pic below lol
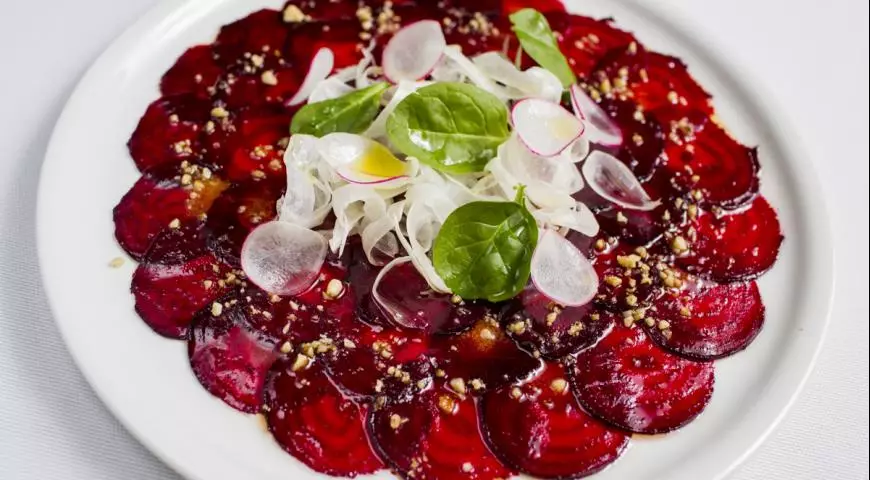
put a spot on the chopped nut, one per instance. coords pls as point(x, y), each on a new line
point(628, 321)
point(620, 218)
point(333, 289)
point(628, 261)
point(286, 348)
point(613, 280)
point(458, 386)
point(679, 245)
point(269, 78)
point(516, 393)
point(551, 318)
point(487, 334)
point(559, 385)
point(292, 14)
point(630, 300)
point(467, 467)
point(216, 309)
point(455, 299)
point(219, 112)
point(600, 244)
point(649, 321)
point(175, 223)
point(396, 421)
point(348, 343)
point(684, 311)
point(664, 325)
point(477, 384)
point(693, 211)
point(517, 328)
point(446, 404)
point(116, 262)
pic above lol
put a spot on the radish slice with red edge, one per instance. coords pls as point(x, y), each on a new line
point(544, 127)
point(397, 313)
point(283, 258)
point(614, 181)
point(601, 129)
point(321, 67)
point(414, 51)
point(561, 271)
point(360, 160)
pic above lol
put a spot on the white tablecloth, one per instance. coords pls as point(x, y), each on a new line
point(811, 55)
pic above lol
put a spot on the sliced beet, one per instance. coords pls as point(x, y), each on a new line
point(342, 36)
point(261, 32)
point(482, 357)
point(628, 278)
point(433, 435)
point(254, 152)
point(706, 320)
point(635, 227)
point(311, 420)
point(722, 170)
point(169, 296)
point(229, 359)
point(538, 428)
point(631, 383)
point(175, 246)
point(511, 6)
point(412, 304)
point(195, 72)
point(235, 213)
point(736, 246)
point(585, 41)
point(162, 198)
point(643, 138)
point(371, 361)
point(169, 132)
point(554, 331)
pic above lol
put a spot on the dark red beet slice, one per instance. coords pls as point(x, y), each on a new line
point(537, 323)
point(175, 246)
point(643, 139)
point(482, 357)
point(737, 246)
point(538, 428)
point(162, 198)
point(370, 361)
point(261, 32)
point(228, 358)
point(169, 132)
point(195, 72)
point(635, 227)
point(342, 36)
point(724, 171)
point(706, 320)
point(169, 296)
point(629, 382)
point(413, 304)
point(585, 41)
point(254, 151)
point(511, 6)
point(629, 279)
point(312, 421)
point(433, 435)
point(235, 213)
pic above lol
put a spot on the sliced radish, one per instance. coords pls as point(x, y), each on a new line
point(602, 129)
point(396, 312)
point(360, 160)
point(535, 82)
point(580, 219)
point(544, 127)
point(329, 89)
point(321, 66)
point(297, 205)
point(414, 51)
point(614, 181)
point(283, 258)
point(548, 86)
point(468, 69)
point(579, 150)
point(563, 273)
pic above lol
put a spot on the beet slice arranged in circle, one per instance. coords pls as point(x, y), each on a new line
point(482, 357)
point(585, 41)
point(235, 213)
point(311, 420)
point(413, 305)
point(169, 296)
point(170, 131)
point(737, 246)
point(628, 280)
point(631, 383)
point(163, 198)
point(538, 428)
point(707, 321)
point(229, 358)
point(724, 171)
point(194, 72)
point(433, 435)
point(554, 331)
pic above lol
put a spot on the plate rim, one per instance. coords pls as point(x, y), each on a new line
point(821, 261)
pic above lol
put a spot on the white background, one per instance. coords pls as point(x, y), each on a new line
point(811, 56)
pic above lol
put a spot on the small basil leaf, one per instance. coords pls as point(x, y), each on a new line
point(452, 127)
point(484, 250)
point(351, 113)
point(538, 40)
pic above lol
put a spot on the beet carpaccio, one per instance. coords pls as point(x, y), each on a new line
point(370, 368)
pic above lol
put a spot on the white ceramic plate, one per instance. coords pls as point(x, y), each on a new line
point(145, 379)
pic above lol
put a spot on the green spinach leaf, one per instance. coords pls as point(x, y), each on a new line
point(484, 249)
point(452, 127)
point(538, 40)
point(350, 113)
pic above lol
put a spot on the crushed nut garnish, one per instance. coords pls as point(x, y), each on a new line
point(116, 262)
